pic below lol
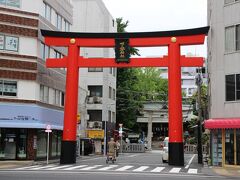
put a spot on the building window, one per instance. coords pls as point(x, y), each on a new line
point(8, 88)
point(110, 70)
point(232, 38)
point(95, 91)
point(95, 115)
point(114, 94)
point(12, 3)
point(45, 51)
point(232, 87)
point(9, 43)
point(114, 72)
point(57, 54)
point(113, 22)
point(62, 98)
point(44, 93)
point(59, 22)
point(41, 144)
point(95, 69)
point(57, 97)
point(47, 12)
point(109, 116)
point(110, 92)
point(230, 1)
point(229, 39)
point(114, 117)
point(66, 25)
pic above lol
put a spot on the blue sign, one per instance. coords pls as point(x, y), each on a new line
point(29, 116)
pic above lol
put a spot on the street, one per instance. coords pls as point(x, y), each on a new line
point(128, 166)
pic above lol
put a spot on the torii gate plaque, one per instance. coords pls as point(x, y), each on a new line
point(174, 61)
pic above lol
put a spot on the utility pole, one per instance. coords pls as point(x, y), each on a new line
point(199, 83)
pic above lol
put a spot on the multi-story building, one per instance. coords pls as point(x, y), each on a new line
point(31, 96)
point(188, 80)
point(224, 81)
point(93, 16)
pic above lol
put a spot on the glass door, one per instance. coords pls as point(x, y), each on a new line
point(238, 146)
point(229, 147)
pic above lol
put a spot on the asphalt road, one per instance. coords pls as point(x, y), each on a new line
point(128, 167)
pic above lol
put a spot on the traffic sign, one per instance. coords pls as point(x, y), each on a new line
point(48, 130)
point(48, 126)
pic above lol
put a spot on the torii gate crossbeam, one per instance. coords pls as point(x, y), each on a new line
point(174, 61)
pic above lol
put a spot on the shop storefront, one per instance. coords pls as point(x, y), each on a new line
point(225, 141)
point(22, 131)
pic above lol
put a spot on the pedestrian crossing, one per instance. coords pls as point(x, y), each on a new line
point(112, 168)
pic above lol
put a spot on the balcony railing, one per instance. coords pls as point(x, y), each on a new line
point(94, 100)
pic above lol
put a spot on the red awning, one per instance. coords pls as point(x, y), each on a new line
point(222, 123)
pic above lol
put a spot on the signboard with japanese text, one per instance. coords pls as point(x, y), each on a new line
point(122, 50)
point(13, 3)
point(95, 134)
point(11, 43)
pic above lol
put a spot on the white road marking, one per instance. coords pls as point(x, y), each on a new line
point(142, 168)
point(75, 167)
point(91, 167)
point(189, 163)
point(124, 168)
point(28, 167)
point(175, 170)
point(60, 167)
point(192, 171)
point(43, 167)
point(134, 155)
point(158, 169)
point(107, 168)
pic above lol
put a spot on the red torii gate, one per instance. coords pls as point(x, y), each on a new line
point(174, 61)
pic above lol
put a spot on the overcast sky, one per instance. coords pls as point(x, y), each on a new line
point(161, 15)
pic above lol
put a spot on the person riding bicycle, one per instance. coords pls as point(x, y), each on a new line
point(112, 148)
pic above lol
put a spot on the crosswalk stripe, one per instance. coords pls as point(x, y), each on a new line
point(59, 167)
point(142, 168)
point(43, 167)
point(91, 167)
point(124, 168)
point(175, 170)
point(107, 168)
point(192, 171)
point(158, 169)
point(75, 167)
point(28, 167)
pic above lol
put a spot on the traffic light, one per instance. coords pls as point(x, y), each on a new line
point(78, 118)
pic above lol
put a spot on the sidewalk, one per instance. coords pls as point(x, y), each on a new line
point(227, 171)
point(14, 164)
point(20, 163)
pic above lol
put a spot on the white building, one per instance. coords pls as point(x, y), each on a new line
point(31, 96)
point(188, 80)
point(224, 81)
point(93, 16)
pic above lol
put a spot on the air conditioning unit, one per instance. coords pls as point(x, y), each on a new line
point(90, 100)
point(87, 117)
point(90, 124)
point(97, 99)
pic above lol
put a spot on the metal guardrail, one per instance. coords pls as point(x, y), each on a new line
point(133, 148)
point(192, 149)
